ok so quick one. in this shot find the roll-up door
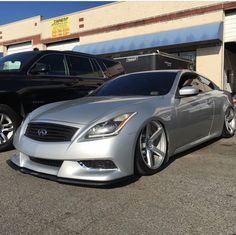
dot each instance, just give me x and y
(20, 47)
(63, 46)
(230, 27)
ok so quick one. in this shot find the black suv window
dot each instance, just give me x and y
(81, 66)
(15, 62)
(109, 64)
(113, 68)
(97, 69)
(50, 65)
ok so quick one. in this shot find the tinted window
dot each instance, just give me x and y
(185, 80)
(209, 86)
(196, 82)
(96, 68)
(81, 66)
(190, 79)
(15, 62)
(54, 65)
(109, 63)
(113, 68)
(142, 84)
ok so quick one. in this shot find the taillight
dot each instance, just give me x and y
(234, 100)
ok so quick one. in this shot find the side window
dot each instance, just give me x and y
(81, 66)
(97, 69)
(191, 79)
(50, 65)
(109, 64)
(196, 82)
(103, 66)
(186, 80)
(208, 85)
(113, 68)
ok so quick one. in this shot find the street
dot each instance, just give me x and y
(194, 194)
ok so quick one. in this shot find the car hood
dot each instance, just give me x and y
(86, 110)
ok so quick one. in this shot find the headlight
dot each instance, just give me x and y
(110, 127)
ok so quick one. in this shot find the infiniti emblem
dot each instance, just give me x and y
(42, 132)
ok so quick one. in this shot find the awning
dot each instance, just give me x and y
(200, 33)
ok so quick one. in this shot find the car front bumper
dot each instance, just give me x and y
(68, 180)
(119, 150)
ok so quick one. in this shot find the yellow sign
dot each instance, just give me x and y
(60, 27)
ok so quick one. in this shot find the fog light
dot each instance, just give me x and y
(98, 164)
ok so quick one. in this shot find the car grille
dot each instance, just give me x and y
(49, 132)
(56, 163)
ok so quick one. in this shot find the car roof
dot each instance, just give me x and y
(63, 52)
(165, 71)
(76, 53)
(45, 52)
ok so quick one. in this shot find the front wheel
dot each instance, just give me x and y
(229, 123)
(9, 121)
(151, 149)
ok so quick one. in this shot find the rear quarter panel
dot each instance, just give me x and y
(222, 101)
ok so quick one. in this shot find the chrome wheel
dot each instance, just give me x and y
(230, 121)
(153, 145)
(6, 128)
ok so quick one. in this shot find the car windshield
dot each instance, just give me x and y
(15, 62)
(139, 84)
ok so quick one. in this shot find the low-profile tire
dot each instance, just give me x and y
(9, 121)
(229, 123)
(151, 149)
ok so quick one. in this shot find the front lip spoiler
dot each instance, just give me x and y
(70, 181)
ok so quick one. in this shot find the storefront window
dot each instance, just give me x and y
(189, 55)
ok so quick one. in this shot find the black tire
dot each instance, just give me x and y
(140, 167)
(229, 127)
(9, 115)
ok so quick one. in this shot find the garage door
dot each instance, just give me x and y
(26, 46)
(230, 27)
(63, 46)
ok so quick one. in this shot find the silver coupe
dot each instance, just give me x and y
(130, 125)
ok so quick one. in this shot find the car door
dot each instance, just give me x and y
(85, 73)
(47, 82)
(212, 90)
(194, 114)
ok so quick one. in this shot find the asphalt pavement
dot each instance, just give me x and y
(194, 194)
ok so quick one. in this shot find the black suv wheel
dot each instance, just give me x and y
(9, 121)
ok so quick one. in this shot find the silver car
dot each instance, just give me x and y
(131, 125)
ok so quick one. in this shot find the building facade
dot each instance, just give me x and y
(202, 31)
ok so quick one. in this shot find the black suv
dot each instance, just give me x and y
(31, 79)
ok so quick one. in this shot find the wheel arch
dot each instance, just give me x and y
(13, 101)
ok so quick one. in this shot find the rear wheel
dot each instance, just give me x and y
(229, 123)
(151, 149)
(9, 121)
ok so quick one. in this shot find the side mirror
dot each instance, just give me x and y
(188, 91)
(40, 68)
